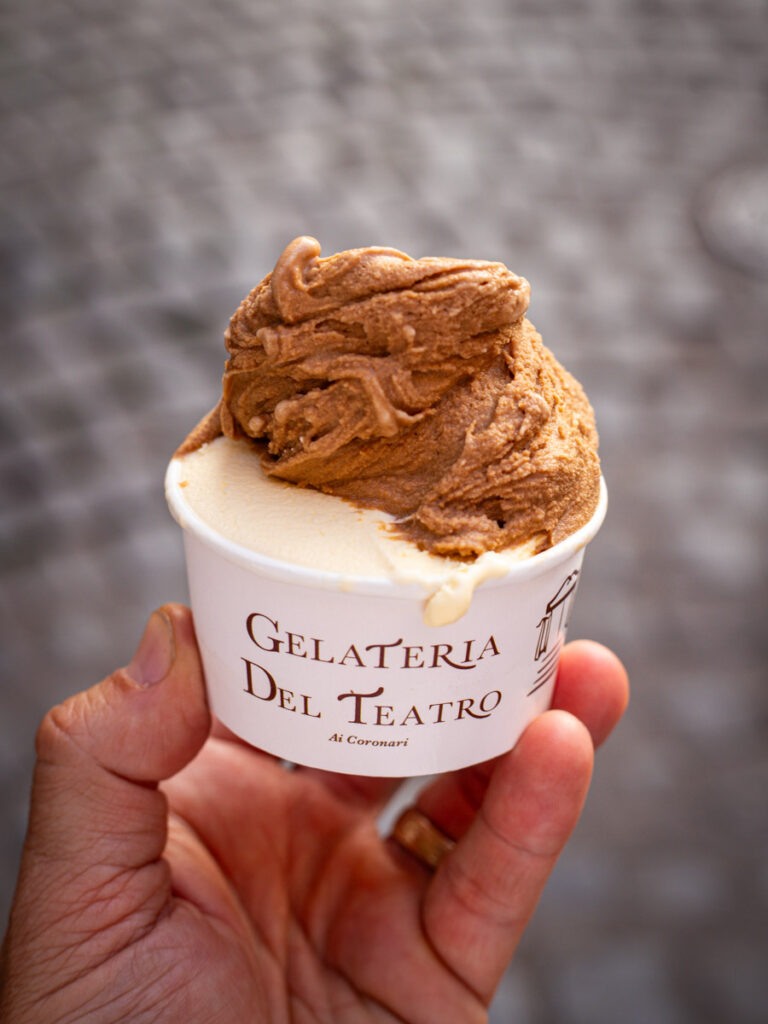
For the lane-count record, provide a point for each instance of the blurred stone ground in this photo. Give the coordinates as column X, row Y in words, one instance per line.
column 156, row 158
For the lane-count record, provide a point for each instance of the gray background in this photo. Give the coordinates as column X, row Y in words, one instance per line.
column 157, row 157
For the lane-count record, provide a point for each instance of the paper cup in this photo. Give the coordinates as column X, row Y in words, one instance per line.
column 342, row 674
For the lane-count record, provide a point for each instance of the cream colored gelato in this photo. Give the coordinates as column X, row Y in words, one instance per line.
column 225, row 486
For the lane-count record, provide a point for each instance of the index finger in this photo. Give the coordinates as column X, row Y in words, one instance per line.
column 591, row 684
column 486, row 889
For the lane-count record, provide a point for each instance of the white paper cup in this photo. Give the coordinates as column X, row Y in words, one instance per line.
column 344, row 675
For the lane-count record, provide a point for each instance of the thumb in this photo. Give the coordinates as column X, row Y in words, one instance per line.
column 97, row 817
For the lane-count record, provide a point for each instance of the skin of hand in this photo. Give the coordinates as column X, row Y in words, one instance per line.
column 172, row 873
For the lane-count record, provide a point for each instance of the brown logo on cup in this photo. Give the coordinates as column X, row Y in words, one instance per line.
column 552, row 627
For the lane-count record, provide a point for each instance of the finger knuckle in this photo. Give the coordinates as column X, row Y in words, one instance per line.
column 57, row 730
column 469, row 890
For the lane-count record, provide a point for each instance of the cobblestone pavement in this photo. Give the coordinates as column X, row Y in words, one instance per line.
column 157, row 157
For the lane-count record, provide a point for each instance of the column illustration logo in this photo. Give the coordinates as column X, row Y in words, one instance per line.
column 552, row 628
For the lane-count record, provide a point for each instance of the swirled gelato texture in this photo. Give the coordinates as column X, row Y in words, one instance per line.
column 413, row 386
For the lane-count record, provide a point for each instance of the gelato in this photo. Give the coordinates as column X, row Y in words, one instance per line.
column 416, row 387
column 225, row 487
column 391, row 435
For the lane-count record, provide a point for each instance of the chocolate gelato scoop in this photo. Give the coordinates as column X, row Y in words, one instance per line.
column 413, row 386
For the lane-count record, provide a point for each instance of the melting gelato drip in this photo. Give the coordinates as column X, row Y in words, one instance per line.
column 416, row 387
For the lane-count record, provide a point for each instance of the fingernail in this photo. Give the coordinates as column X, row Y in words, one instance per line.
column 156, row 652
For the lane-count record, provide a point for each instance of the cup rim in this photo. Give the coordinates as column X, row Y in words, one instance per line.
column 300, row 575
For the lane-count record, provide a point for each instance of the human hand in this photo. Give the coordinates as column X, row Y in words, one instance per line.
column 239, row 891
